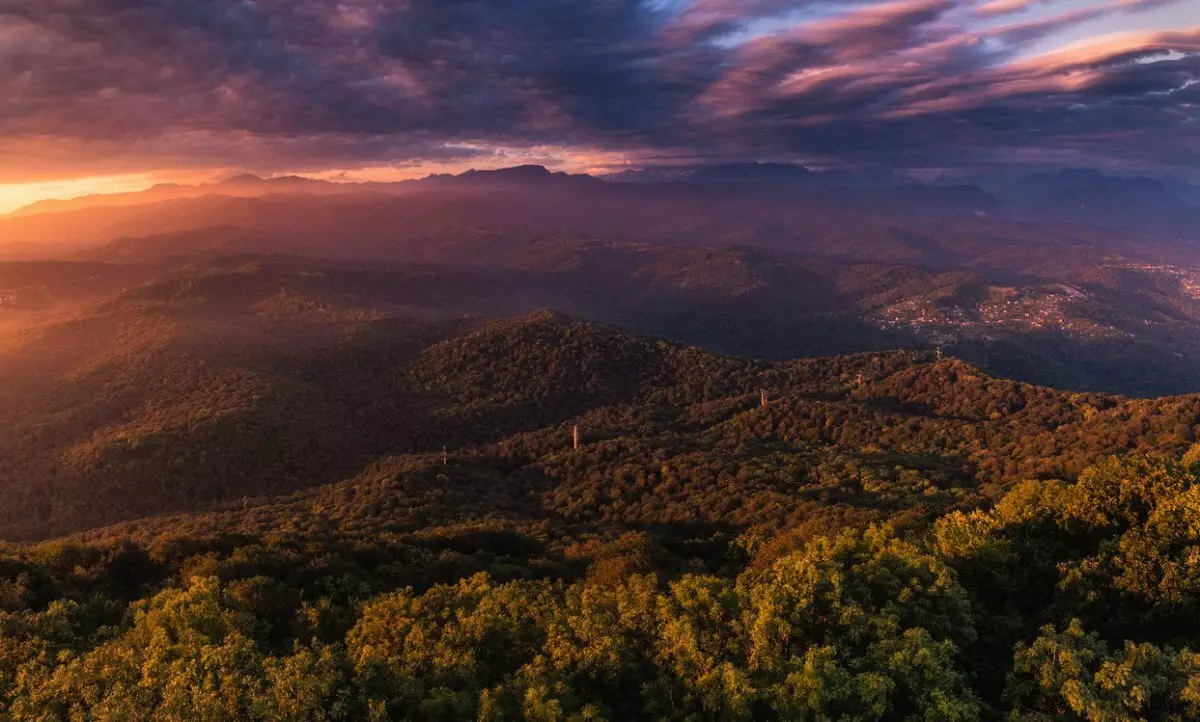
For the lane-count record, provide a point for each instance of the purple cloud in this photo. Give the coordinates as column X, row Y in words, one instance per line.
column 313, row 84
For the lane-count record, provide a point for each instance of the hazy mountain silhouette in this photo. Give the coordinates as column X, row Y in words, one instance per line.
column 1080, row 195
column 779, row 175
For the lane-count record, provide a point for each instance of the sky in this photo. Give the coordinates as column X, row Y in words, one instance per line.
column 115, row 95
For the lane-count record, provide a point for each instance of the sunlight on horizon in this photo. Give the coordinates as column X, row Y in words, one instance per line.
column 14, row 196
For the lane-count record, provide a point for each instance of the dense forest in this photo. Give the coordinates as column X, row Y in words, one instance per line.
column 1072, row 600
column 176, row 396
column 390, row 520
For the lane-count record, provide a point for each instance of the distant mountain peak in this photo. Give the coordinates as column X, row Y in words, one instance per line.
column 518, row 174
column 787, row 175
column 1090, row 196
column 249, row 179
column 525, row 171
column 242, row 178
column 521, row 174
column 547, row 315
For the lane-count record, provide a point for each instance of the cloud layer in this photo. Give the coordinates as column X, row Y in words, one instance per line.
column 114, row 86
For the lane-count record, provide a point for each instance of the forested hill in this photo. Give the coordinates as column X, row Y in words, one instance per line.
column 172, row 398
column 287, row 506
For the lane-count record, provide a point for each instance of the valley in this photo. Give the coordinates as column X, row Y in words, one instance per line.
column 295, row 486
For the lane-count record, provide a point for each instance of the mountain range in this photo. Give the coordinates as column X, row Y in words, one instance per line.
column 740, row 259
column 1069, row 195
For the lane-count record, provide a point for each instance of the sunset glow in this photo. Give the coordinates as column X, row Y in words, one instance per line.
column 18, row 195
column 100, row 99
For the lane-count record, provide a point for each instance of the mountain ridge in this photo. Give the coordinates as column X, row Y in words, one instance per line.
column 300, row 389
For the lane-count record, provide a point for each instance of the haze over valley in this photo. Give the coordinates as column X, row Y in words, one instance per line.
column 757, row 260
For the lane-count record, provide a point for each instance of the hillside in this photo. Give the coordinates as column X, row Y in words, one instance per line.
column 258, row 377
column 1113, row 325
column 889, row 522
column 312, row 489
column 685, row 441
column 194, row 390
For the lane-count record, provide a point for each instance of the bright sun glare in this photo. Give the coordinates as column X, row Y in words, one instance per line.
column 18, row 195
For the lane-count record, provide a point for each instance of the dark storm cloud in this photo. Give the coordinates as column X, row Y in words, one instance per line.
column 557, row 67
column 225, row 65
column 337, row 84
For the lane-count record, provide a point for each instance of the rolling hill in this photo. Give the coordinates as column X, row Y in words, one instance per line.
column 271, row 487
column 257, row 377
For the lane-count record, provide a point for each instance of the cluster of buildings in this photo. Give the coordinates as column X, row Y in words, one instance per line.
column 1189, row 278
column 1017, row 310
